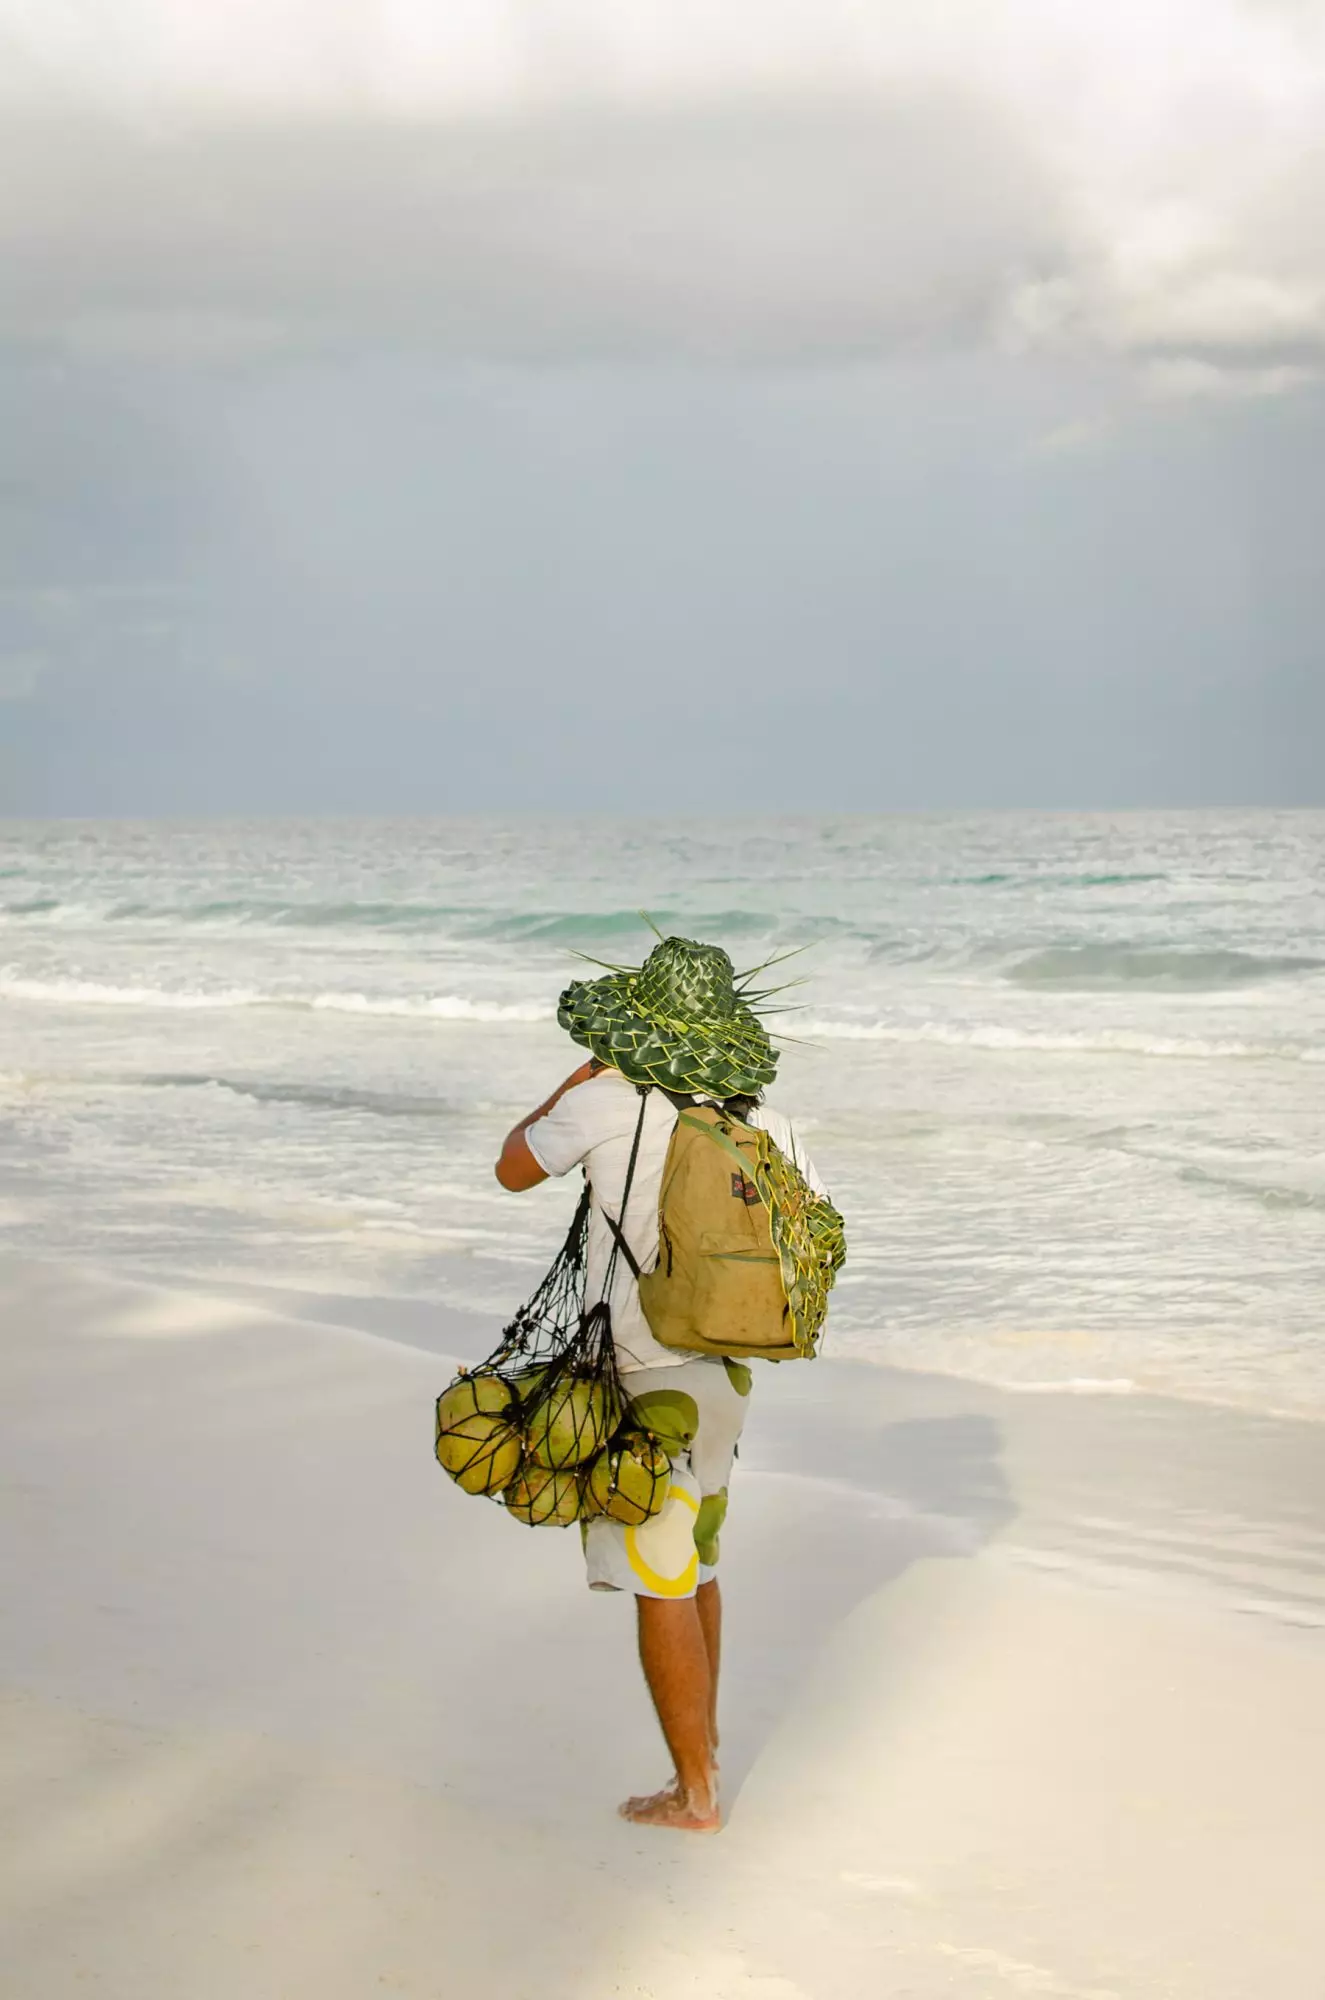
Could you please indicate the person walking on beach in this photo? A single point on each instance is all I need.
(679, 1030)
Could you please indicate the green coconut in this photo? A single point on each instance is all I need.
(482, 1452)
(571, 1424)
(629, 1481)
(470, 1396)
(543, 1498)
(525, 1387)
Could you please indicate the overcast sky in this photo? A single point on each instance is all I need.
(610, 403)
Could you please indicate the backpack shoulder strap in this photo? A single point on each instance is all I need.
(710, 1124)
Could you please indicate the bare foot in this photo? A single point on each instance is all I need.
(671, 1790)
(686, 1812)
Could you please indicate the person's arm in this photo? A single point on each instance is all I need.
(516, 1168)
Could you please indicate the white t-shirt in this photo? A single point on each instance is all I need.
(593, 1126)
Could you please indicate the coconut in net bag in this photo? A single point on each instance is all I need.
(539, 1424)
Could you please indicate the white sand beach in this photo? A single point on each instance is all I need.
(1022, 1694)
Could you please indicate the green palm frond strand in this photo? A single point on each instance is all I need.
(809, 1237)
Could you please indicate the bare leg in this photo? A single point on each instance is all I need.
(675, 1660)
(708, 1602)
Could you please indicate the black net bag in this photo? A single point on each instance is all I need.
(536, 1425)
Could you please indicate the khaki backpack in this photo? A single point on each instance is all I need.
(747, 1251)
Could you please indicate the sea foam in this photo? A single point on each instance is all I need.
(435, 1006)
(1098, 1041)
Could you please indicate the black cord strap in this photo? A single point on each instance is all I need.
(619, 1243)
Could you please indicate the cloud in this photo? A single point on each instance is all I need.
(1231, 311)
(755, 229)
(772, 181)
(1186, 379)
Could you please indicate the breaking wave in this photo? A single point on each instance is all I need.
(1268, 1194)
(418, 1007)
(1037, 881)
(1106, 1041)
(454, 919)
(312, 1096)
(1118, 965)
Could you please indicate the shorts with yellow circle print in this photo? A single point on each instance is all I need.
(696, 1410)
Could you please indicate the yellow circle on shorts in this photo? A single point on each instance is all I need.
(662, 1552)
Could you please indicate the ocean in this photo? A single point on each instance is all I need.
(1064, 1073)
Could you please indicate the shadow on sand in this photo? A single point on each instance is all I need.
(806, 1548)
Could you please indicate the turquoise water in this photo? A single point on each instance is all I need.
(1066, 1074)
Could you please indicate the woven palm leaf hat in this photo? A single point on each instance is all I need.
(683, 1020)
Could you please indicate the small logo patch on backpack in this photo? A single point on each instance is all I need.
(744, 1190)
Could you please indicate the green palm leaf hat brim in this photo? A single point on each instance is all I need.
(680, 1021)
